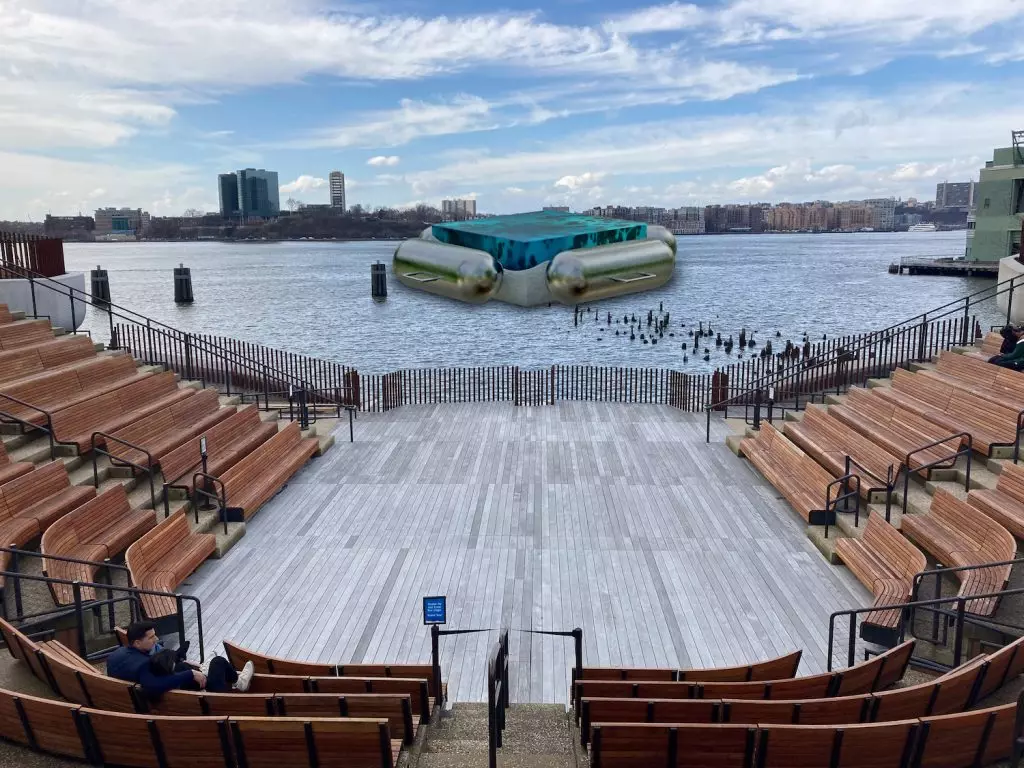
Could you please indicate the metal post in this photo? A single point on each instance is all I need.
(32, 288)
(188, 357)
(757, 409)
(1009, 301)
(71, 294)
(922, 338)
(967, 320)
(958, 642)
(351, 433)
(76, 590)
(435, 662)
(15, 567)
(577, 636)
(851, 651)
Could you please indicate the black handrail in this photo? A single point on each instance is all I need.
(48, 428)
(939, 463)
(832, 505)
(889, 481)
(497, 696)
(148, 470)
(221, 498)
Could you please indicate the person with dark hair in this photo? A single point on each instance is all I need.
(1014, 357)
(144, 661)
(1009, 334)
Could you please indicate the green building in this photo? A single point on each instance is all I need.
(999, 205)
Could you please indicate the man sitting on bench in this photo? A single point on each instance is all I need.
(132, 663)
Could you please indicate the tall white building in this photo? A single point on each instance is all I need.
(337, 179)
(456, 210)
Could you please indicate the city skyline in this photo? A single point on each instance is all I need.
(559, 104)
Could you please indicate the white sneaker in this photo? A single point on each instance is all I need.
(245, 677)
(205, 666)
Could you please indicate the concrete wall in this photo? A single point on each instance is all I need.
(996, 205)
(17, 295)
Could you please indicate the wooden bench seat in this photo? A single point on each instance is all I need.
(1004, 503)
(644, 745)
(981, 376)
(800, 479)
(30, 504)
(57, 354)
(227, 442)
(9, 470)
(771, 669)
(23, 333)
(829, 441)
(162, 431)
(98, 530)
(258, 476)
(164, 557)
(116, 409)
(897, 430)
(958, 534)
(885, 562)
(63, 388)
(1001, 666)
(991, 343)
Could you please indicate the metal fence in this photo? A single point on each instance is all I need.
(42, 255)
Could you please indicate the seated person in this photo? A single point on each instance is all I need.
(132, 663)
(1014, 358)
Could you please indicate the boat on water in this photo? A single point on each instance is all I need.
(929, 227)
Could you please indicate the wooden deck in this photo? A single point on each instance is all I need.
(615, 518)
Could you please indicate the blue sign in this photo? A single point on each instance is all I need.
(434, 610)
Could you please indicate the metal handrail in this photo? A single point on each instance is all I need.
(832, 505)
(889, 480)
(48, 428)
(221, 498)
(939, 463)
(97, 451)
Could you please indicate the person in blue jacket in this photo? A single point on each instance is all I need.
(132, 663)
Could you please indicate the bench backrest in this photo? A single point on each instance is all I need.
(281, 741)
(771, 669)
(22, 492)
(150, 741)
(680, 745)
(157, 542)
(28, 361)
(21, 334)
(981, 533)
(879, 745)
(218, 438)
(894, 548)
(84, 523)
(1003, 665)
(275, 665)
(165, 421)
(979, 737)
(1011, 481)
(93, 413)
(255, 465)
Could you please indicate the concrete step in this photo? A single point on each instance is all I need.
(326, 443)
(915, 367)
(209, 522)
(874, 383)
(825, 545)
(732, 442)
(18, 314)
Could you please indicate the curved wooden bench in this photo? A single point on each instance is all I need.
(9, 470)
(771, 669)
(164, 430)
(227, 442)
(1005, 503)
(800, 479)
(63, 388)
(27, 361)
(982, 377)
(33, 502)
(100, 529)
(897, 430)
(829, 441)
(682, 746)
(164, 557)
(117, 409)
(885, 562)
(23, 333)
(254, 479)
(957, 534)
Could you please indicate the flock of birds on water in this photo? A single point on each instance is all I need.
(700, 342)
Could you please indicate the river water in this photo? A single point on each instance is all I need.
(314, 298)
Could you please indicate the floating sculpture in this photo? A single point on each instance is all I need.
(535, 258)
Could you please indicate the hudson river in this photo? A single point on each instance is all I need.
(314, 298)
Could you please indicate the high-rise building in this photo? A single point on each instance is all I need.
(120, 221)
(227, 186)
(958, 195)
(457, 210)
(337, 179)
(883, 213)
(258, 193)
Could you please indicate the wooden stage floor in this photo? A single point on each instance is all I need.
(615, 518)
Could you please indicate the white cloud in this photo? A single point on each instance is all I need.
(379, 160)
(582, 181)
(304, 184)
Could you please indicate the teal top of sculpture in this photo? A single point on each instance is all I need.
(524, 240)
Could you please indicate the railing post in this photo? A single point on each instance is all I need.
(757, 409)
(32, 288)
(922, 338)
(851, 650)
(958, 642)
(76, 591)
(71, 295)
(1009, 301)
(188, 355)
(967, 320)
(16, 568)
(577, 637)
(435, 662)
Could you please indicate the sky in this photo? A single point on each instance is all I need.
(142, 103)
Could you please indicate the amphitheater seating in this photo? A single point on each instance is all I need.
(258, 476)
(897, 430)
(9, 470)
(982, 378)
(100, 529)
(226, 443)
(829, 441)
(885, 562)
(164, 430)
(164, 557)
(33, 502)
(57, 354)
(991, 343)
(1005, 503)
(801, 480)
(22, 333)
(957, 534)
(772, 669)
(55, 390)
(989, 424)
(117, 409)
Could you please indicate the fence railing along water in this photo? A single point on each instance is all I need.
(42, 255)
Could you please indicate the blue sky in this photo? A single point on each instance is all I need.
(143, 103)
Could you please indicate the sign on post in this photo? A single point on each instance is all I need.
(435, 611)
(202, 445)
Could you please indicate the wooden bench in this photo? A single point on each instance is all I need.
(983, 378)
(258, 476)
(885, 562)
(991, 343)
(645, 745)
(98, 530)
(829, 441)
(23, 333)
(60, 353)
(989, 424)
(227, 442)
(117, 409)
(1002, 666)
(33, 502)
(162, 431)
(164, 557)
(958, 534)
(1004, 503)
(5, 315)
(9, 470)
(800, 479)
(953, 692)
(771, 669)
(54, 390)
(899, 431)
(817, 746)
